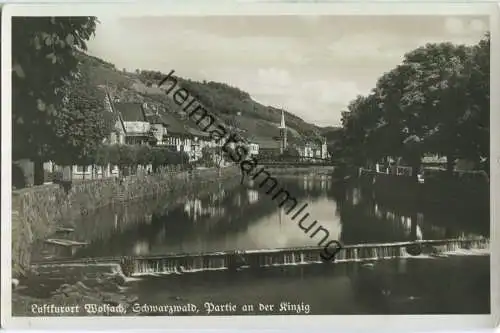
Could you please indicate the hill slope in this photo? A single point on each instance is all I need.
(231, 105)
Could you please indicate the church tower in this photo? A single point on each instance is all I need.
(282, 127)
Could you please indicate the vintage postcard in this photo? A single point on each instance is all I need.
(250, 165)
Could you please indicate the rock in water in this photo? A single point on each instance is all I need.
(127, 266)
(236, 261)
(414, 249)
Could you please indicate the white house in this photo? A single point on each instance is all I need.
(253, 148)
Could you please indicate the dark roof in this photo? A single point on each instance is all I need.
(265, 143)
(173, 124)
(113, 109)
(130, 111)
(155, 119)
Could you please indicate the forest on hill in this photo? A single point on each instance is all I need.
(233, 106)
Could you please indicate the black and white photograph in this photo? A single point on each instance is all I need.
(247, 165)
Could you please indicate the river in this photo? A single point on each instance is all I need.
(243, 218)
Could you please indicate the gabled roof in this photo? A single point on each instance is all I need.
(113, 109)
(175, 124)
(131, 111)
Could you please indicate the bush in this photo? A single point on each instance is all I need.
(103, 156)
(126, 156)
(18, 178)
(143, 155)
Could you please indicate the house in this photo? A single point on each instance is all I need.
(253, 148)
(117, 136)
(199, 140)
(267, 147)
(158, 128)
(119, 130)
(137, 127)
(178, 135)
(314, 149)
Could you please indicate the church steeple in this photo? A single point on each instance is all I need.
(282, 127)
(282, 123)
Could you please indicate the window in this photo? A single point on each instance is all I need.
(80, 168)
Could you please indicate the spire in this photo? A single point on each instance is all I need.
(282, 124)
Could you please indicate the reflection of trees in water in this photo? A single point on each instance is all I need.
(366, 219)
(108, 220)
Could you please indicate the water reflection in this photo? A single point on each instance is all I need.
(243, 218)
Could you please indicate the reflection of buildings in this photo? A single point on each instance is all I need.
(253, 196)
(141, 247)
(194, 209)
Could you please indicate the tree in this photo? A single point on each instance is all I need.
(361, 139)
(430, 103)
(158, 158)
(143, 155)
(81, 124)
(127, 158)
(43, 61)
(437, 93)
(291, 151)
(479, 93)
(213, 156)
(113, 155)
(102, 157)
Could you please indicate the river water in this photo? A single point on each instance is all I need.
(244, 217)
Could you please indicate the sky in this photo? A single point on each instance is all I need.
(312, 66)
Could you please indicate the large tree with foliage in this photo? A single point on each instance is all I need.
(435, 101)
(82, 123)
(479, 94)
(439, 95)
(43, 64)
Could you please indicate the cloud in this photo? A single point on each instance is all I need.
(463, 26)
(478, 25)
(311, 65)
(332, 91)
(372, 45)
(454, 25)
(274, 77)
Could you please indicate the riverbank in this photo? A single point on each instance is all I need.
(283, 170)
(38, 211)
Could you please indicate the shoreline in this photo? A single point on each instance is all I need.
(38, 211)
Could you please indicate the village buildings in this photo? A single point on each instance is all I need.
(151, 123)
(311, 150)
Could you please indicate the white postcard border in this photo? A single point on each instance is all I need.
(195, 8)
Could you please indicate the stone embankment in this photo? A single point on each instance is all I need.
(38, 211)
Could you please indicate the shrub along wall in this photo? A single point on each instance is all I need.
(38, 210)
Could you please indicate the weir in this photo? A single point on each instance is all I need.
(234, 260)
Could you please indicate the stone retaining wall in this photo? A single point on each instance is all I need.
(38, 210)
